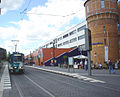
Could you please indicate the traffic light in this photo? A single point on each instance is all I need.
(88, 41)
(95, 54)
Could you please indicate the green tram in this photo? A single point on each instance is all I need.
(16, 62)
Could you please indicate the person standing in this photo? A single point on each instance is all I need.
(86, 64)
(100, 66)
(116, 64)
(110, 66)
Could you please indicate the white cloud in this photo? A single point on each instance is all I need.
(43, 27)
(10, 5)
(58, 7)
(6, 33)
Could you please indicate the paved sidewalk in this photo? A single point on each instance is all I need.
(79, 74)
(95, 72)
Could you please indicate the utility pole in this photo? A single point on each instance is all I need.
(88, 48)
(15, 43)
(89, 64)
(53, 52)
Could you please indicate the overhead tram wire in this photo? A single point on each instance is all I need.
(45, 14)
(23, 12)
(54, 14)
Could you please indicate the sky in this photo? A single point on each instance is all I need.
(34, 22)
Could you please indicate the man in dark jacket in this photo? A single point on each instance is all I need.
(110, 66)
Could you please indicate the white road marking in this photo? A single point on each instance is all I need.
(39, 86)
(83, 77)
(6, 82)
(6, 79)
(19, 90)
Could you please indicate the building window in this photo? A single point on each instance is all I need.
(87, 8)
(81, 37)
(66, 35)
(81, 28)
(59, 44)
(60, 38)
(66, 42)
(73, 40)
(47, 45)
(73, 32)
(102, 3)
(55, 40)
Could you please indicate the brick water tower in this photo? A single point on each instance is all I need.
(102, 20)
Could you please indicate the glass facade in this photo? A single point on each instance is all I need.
(73, 40)
(81, 28)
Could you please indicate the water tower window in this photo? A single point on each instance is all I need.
(102, 3)
(87, 9)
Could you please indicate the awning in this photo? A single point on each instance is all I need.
(80, 57)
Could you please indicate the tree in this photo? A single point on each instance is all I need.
(65, 59)
(8, 56)
(38, 60)
(31, 59)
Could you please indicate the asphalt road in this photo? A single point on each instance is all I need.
(37, 83)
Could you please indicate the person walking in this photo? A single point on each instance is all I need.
(110, 66)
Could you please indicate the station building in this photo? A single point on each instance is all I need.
(102, 19)
(65, 44)
(71, 38)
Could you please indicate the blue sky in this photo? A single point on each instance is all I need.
(34, 22)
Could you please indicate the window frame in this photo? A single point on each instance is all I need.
(102, 4)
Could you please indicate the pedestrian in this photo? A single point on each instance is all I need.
(107, 64)
(119, 64)
(116, 64)
(81, 64)
(86, 64)
(110, 66)
(100, 66)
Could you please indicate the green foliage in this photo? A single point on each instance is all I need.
(31, 58)
(65, 57)
(8, 56)
(38, 60)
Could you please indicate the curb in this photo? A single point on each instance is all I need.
(73, 75)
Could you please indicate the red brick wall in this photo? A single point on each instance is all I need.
(97, 18)
(48, 53)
